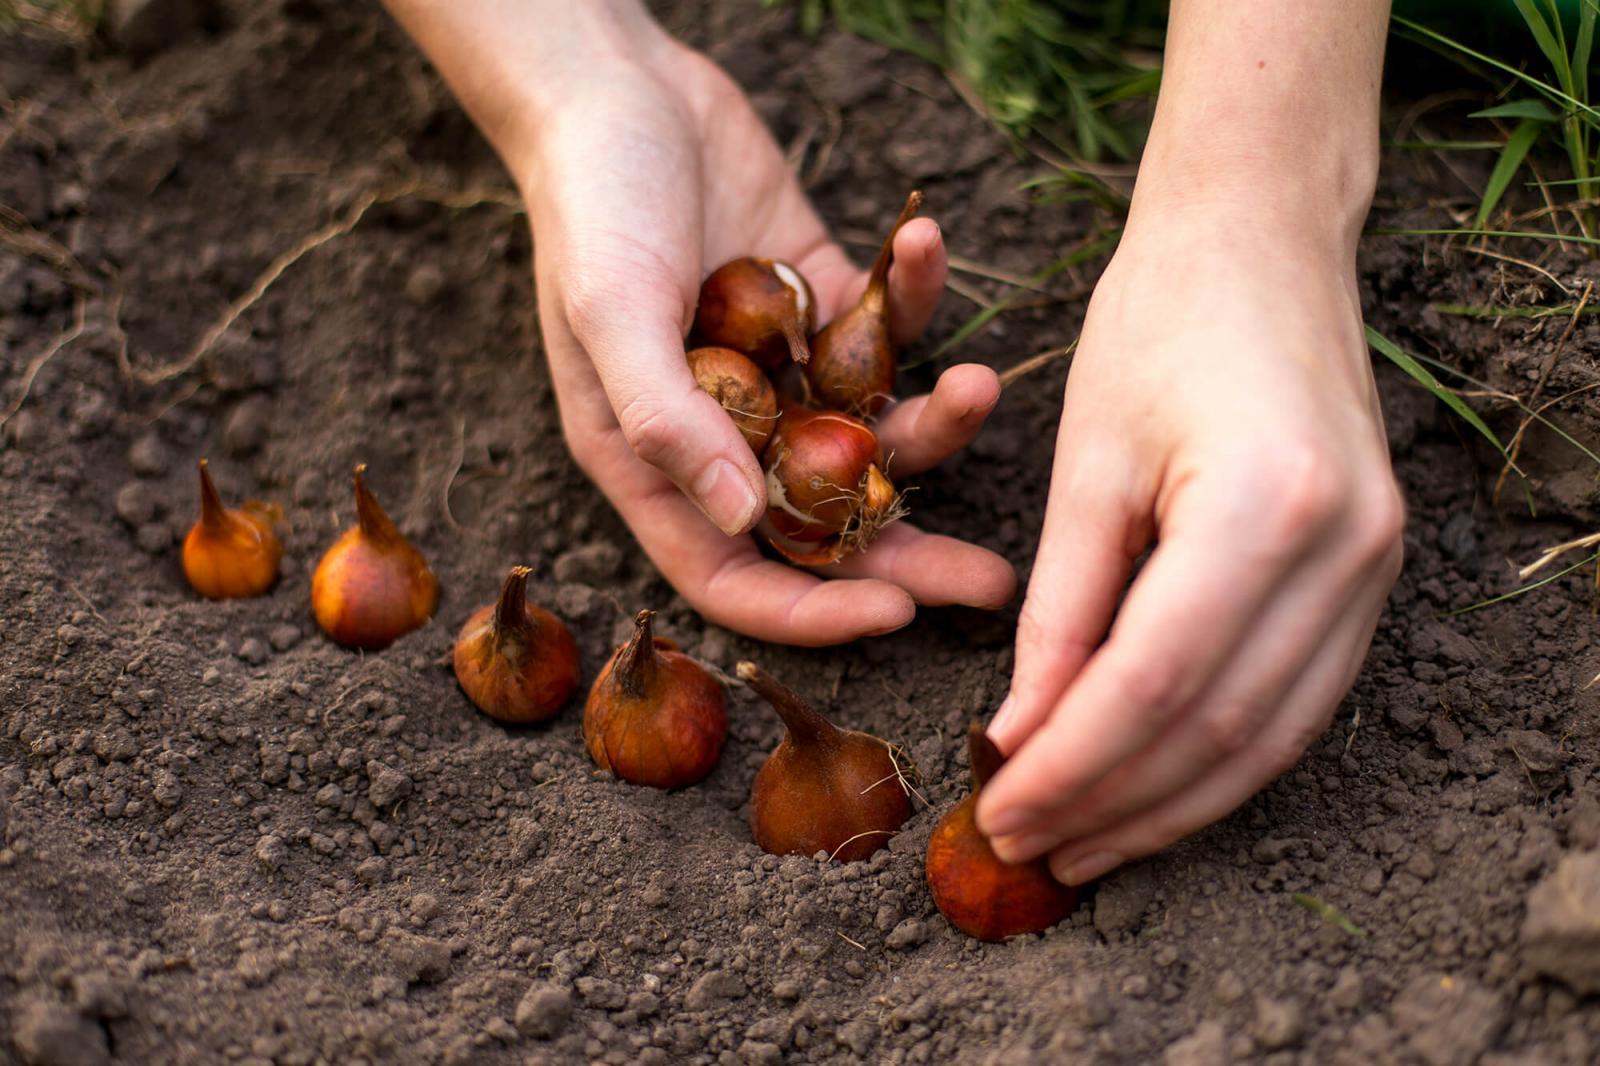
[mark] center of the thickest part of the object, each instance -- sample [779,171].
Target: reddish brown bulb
[823,788]
[852,359]
[372,587]
[741,388]
[761,307]
[515,660]
[981,895]
[230,554]
[655,716]
[825,484]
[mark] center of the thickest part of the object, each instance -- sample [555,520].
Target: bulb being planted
[372,587]
[515,660]
[826,486]
[655,716]
[741,388]
[981,895]
[230,553]
[852,360]
[823,788]
[761,307]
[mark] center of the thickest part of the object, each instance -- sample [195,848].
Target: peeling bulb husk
[980,894]
[823,789]
[655,716]
[230,553]
[741,388]
[516,661]
[372,586]
[827,494]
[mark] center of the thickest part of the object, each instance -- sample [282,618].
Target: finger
[926,430]
[1305,716]
[935,570]
[1090,539]
[1181,622]
[916,279]
[1311,617]
[636,345]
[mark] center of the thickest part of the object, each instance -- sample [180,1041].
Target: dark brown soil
[223,838]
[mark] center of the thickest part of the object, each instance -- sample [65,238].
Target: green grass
[1070,73]
[68,18]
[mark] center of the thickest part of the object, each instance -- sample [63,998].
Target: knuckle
[648,429]
[1379,526]
[1150,687]
[1228,729]
[1304,491]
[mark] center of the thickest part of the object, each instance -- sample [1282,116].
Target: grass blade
[1514,593]
[1328,913]
[1391,351]
[1506,167]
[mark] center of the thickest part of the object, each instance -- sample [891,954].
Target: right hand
[649,172]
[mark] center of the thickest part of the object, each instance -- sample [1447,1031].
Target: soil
[222,838]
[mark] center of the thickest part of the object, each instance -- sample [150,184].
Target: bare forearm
[507,60]
[1270,108]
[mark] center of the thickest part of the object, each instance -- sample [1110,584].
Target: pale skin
[1220,407]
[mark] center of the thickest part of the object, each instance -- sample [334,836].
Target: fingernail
[1010,820]
[1023,846]
[1002,717]
[726,497]
[1090,867]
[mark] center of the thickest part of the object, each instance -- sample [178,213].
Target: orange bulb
[823,788]
[761,307]
[852,359]
[655,716]
[981,895]
[515,660]
[372,587]
[230,554]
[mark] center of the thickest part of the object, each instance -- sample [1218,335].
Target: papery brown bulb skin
[372,587]
[823,788]
[230,553]
[818,466]
[981,895]
[852,362]
[655,716]
[852,359]
[741,388]
[761,307]
[515,660]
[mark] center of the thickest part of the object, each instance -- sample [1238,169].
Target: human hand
[1220,403]
[637,183]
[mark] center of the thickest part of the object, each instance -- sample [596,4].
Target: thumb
[632,327]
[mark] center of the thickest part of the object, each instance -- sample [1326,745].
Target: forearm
[1269,109]
[508,61]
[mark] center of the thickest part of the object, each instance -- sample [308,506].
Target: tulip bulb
[655,716]
[372,587]
[825,485]
[515,660]
[761,307]
[741,388]
[852,360]
[823,788]
[981,895]
[230,553]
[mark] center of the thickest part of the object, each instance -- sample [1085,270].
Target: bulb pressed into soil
[852,359]
[230,553]
[372,587]
[826,488]
[823,788]
[655,716]
[761,307]
[515,660]
[981,895]
[741,388]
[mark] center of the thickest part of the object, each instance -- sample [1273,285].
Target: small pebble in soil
[543,1011]
[135,503]
[1561,933]
[154,537]
[245,430]
[148,457]
[284,636]
[254,651]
